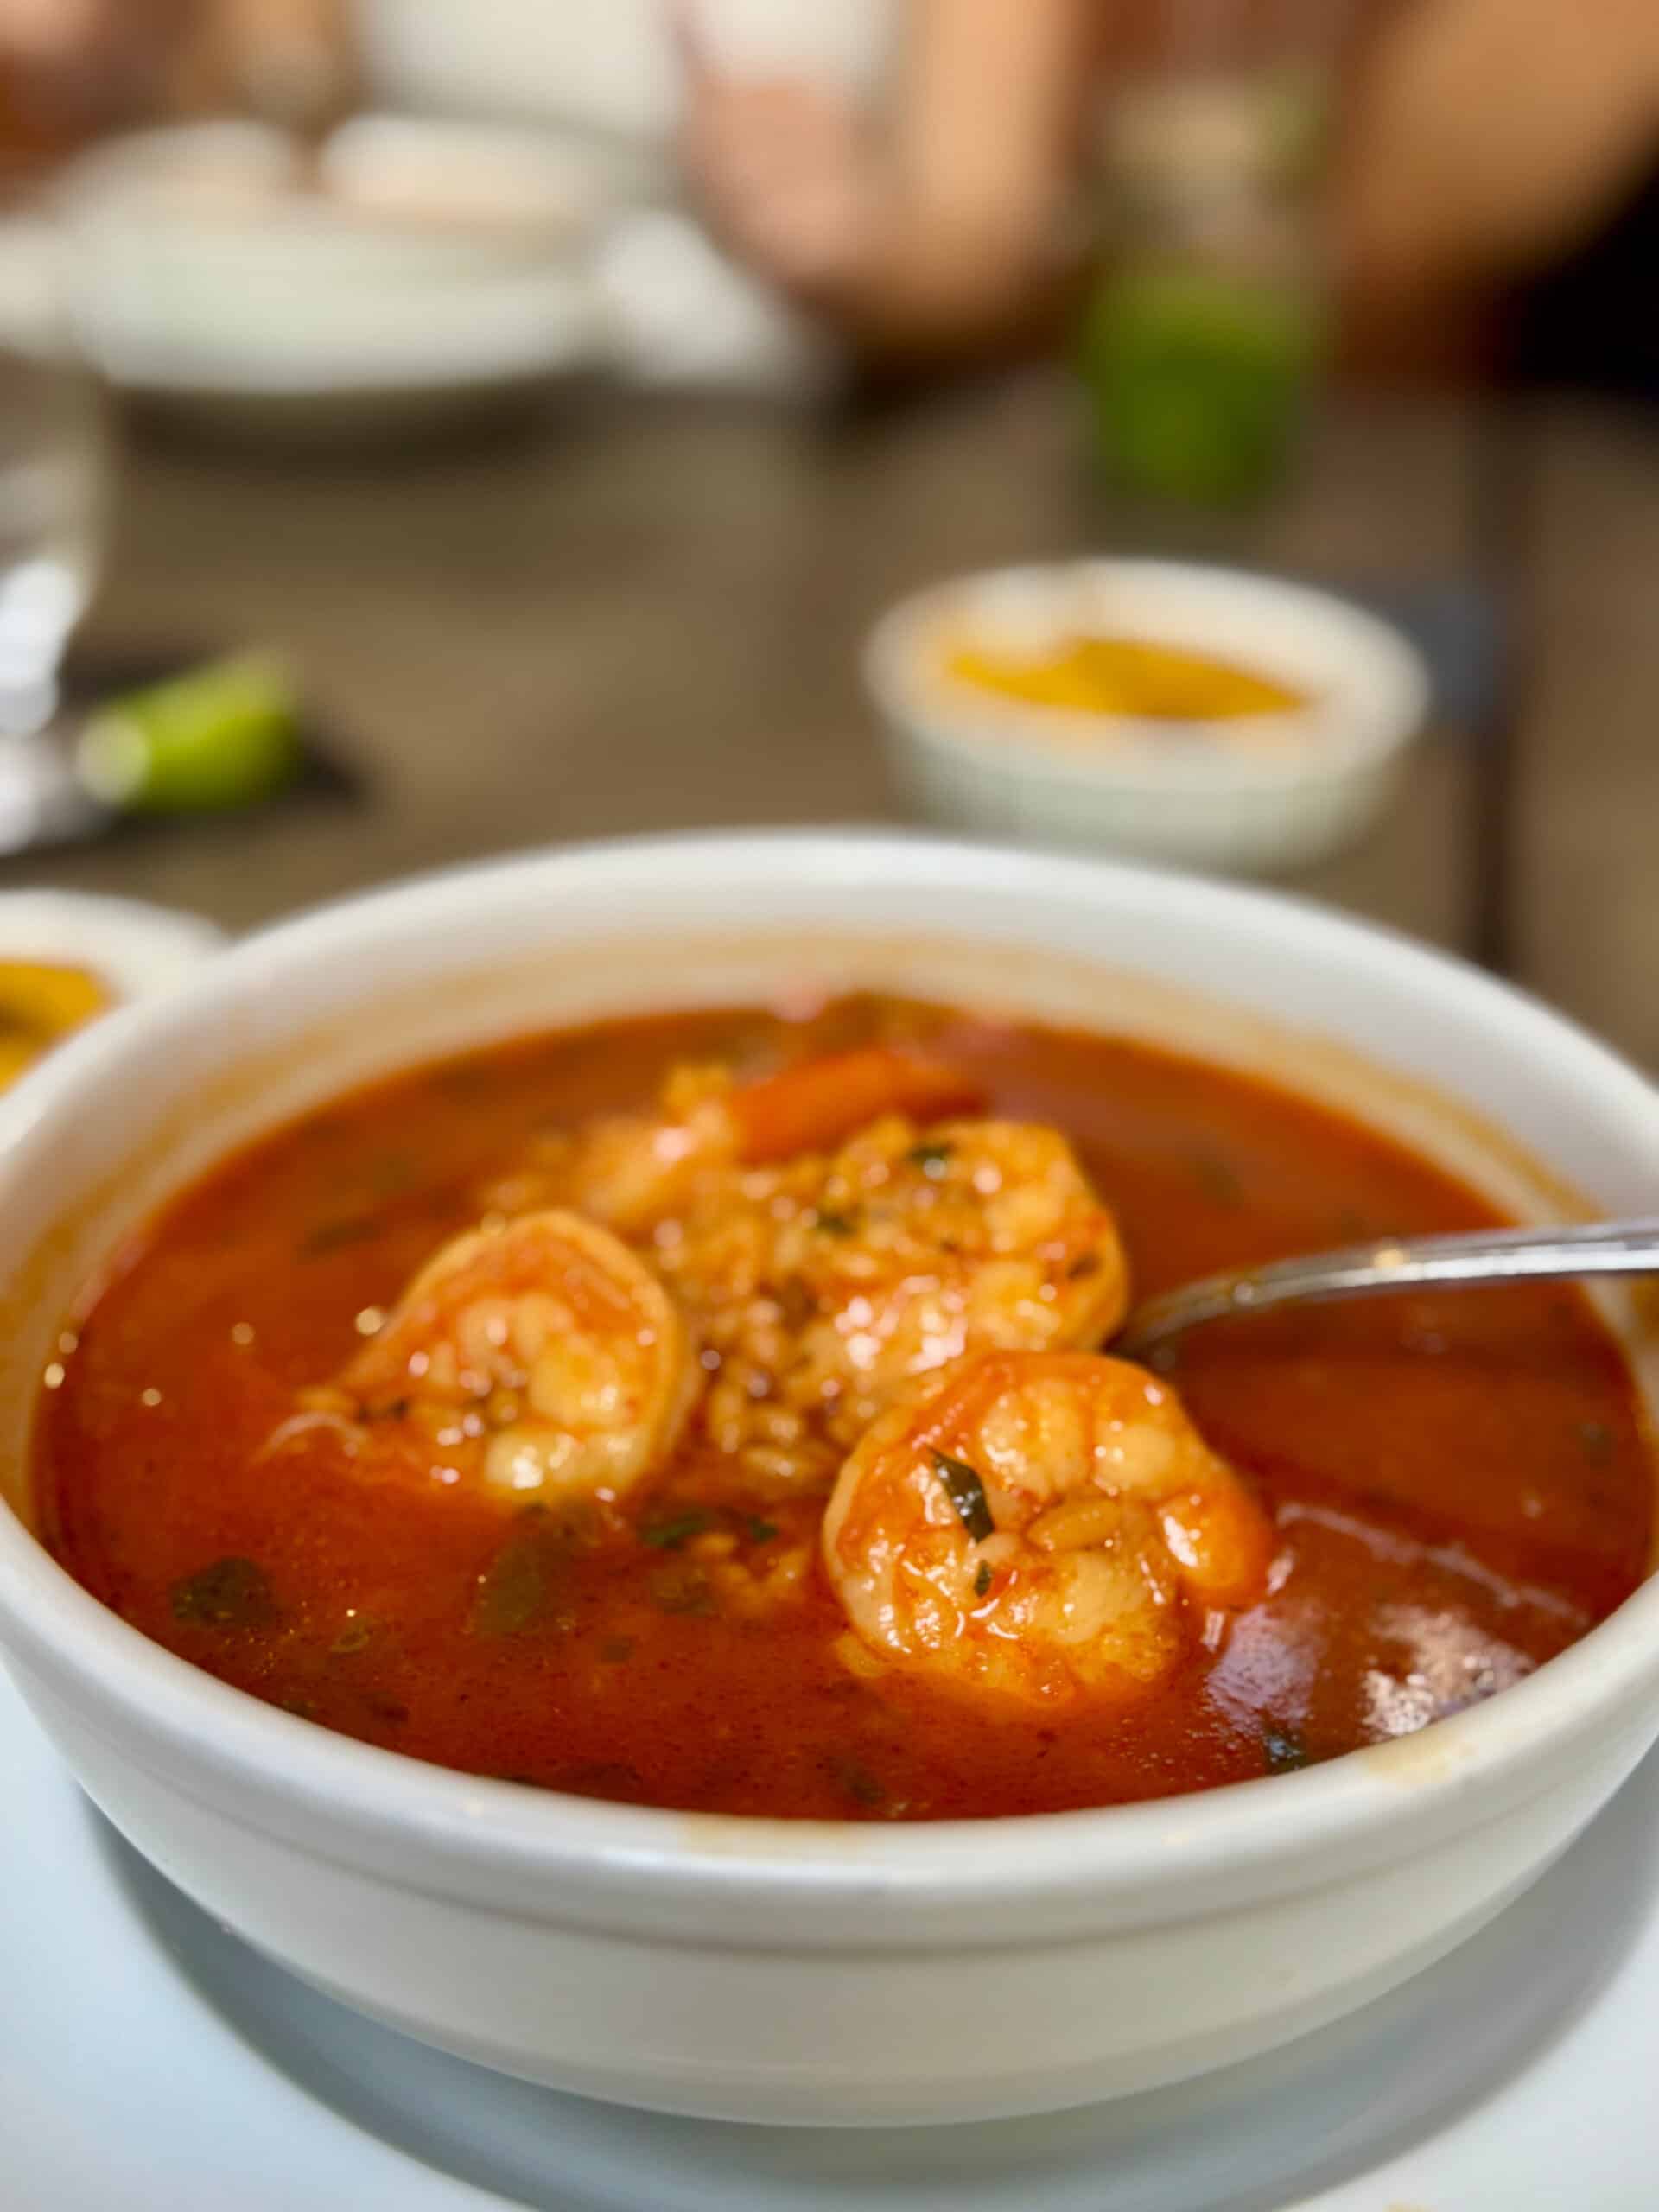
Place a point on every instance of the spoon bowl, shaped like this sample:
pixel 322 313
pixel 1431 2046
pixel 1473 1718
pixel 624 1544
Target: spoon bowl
pixel 1468 1261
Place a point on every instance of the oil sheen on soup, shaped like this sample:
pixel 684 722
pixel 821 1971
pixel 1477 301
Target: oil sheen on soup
pixel 709 1411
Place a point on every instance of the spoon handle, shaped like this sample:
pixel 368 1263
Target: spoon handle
pixel 1395 1263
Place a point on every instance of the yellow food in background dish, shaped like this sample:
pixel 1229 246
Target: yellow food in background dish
pixel 40 1004
pixel 1125 676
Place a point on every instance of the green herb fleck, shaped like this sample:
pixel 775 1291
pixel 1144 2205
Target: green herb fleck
pixel 669 1535
pixel 932 1158
pixel 355 1637
pixel 762 1532
pixel 983 1580
pixel 1216 1179
pixel 834 1224
pixel 391 1173
pixel 615 1650
pixel 859 1783
pixel 520 1587
pixel 231 1593
pixel 463 1078
pixel 967 1494
pixel 1284 1750
pixel 601 1778
pixel 1596 1442
pixel 335 1235
pixel 682 1590
pixel 579 1527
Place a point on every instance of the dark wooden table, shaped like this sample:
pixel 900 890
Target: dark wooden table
pixel 647 615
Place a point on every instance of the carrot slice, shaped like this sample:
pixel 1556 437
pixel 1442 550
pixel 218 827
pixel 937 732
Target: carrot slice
pixel 822 1101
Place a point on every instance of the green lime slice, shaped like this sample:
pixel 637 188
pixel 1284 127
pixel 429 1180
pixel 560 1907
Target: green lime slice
pixel 220 737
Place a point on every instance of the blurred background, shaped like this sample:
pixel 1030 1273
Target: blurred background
pixel 429 427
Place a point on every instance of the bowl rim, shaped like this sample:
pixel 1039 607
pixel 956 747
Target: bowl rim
pixel 173 1716
pixel 136 947
pixel 572 198
pixel 1379 707
pixel 517 306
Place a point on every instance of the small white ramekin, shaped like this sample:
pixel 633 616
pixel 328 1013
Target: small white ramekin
pixel 135 949
pixel 799 1971
pixel 1267 792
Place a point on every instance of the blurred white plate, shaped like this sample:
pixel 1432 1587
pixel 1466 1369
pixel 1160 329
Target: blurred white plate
pixel 1514 2077
pixel 449 263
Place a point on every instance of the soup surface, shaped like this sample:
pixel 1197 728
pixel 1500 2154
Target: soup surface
pixel 42 1003
pixel 253 1451
pixel 1126 676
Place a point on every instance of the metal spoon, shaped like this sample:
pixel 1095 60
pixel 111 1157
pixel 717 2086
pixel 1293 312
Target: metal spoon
pixel 1393 1263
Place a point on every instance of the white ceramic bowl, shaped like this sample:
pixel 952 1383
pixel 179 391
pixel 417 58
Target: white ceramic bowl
pixel 452 261
pixel 803 1971
pixel 1270 792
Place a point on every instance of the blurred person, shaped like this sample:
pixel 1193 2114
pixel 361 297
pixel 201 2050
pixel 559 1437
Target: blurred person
pixel 937 223
pixel 288 60
pixel 607 77
pixel 1501 171
pixel 936 203
pixel 610 68
pixel 602 74
pixel 1485 143
pixel 71 68
pixel 956 216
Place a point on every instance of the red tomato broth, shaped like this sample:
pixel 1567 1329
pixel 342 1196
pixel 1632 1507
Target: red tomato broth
pixel 1461 1484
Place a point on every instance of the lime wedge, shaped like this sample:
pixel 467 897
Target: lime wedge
pixel 219 737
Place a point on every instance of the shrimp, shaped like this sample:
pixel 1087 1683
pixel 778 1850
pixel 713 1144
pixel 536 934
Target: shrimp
pixel 824 1282
pixel 1041 1526
pixel 629 1171
pixel 539 1355
pixel 928 1244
